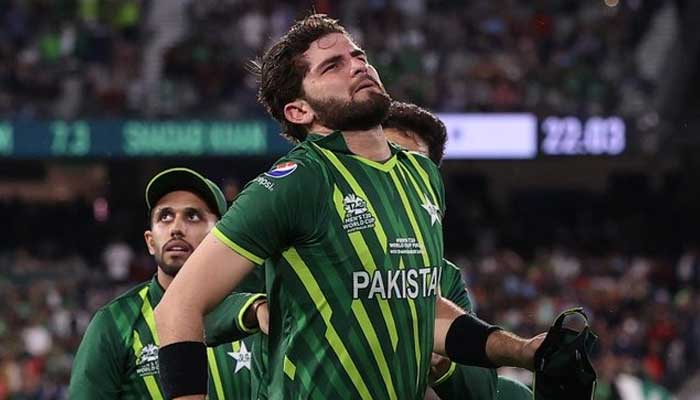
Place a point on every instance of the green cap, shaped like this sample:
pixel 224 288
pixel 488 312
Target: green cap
pixel 174 179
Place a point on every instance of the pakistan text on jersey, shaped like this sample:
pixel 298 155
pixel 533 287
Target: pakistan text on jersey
pixel 396 283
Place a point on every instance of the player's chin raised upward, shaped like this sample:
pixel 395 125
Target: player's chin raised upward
pixel 366 86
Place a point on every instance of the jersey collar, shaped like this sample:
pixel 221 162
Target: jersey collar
pixel 335 142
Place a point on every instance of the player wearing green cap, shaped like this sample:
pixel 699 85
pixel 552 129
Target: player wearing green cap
pixel 118 355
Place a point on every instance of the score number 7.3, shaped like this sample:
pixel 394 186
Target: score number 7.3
pixel 70 139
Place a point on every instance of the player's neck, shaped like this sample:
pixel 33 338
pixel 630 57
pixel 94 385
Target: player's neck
pixel 163 279
pixel 370 144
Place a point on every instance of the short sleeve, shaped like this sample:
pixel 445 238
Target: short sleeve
pixel 224 324
pixel 280 208
pixel 453 287
pixel 96 371
pixel 467 382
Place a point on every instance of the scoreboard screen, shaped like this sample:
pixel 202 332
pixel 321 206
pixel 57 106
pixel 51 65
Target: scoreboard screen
pixel 470 137
pixel 120 138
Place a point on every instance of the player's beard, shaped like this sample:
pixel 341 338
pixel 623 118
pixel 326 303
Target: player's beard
pixel 170 269
pixel 352 115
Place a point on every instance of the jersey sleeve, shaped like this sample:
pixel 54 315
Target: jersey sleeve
pixel 95 373
pixel 466 382
pixel 280 208
pixel 453 288
pixel 224 324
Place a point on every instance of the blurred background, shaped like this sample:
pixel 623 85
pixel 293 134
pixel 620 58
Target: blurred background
pixel 572 175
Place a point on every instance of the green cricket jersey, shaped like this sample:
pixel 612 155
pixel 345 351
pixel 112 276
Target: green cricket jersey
pixel 460 382
pixel 118 356
pixel 354 249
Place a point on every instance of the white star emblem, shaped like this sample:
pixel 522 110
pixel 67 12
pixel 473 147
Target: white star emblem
pixel 242 357
pixel 432 209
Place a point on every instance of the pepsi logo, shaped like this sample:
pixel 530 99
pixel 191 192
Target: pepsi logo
pixel 282 170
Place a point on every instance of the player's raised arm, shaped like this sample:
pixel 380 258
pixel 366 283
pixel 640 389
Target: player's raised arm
pixel 211 272
pixel 467 340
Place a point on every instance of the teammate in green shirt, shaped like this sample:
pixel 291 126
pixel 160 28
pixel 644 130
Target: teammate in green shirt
pixel 416 129
pixel 349 229
pixel 118 355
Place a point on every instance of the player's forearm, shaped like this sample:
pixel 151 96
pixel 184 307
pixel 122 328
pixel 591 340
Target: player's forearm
pixel 507 349
pixel 178 321
pixel 179 315
pixel 182 355
pixel 469 341
pixel 445 313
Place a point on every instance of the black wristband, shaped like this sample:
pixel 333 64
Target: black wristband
pixel 183 369
pixel 465 342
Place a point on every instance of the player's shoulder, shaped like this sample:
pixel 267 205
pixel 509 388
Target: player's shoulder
pixel 427 169
pixel 307 154
pixel 115 319
pixel 126 299
pixel 417 160
pixel 301 163
pixel 424 161
pixel 298 171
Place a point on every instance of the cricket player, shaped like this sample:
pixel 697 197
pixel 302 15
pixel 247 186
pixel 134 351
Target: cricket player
pixel 349 229
pixel 416 129
pixel 118 355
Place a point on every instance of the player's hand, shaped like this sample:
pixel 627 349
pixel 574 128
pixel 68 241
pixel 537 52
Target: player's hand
pixel 257 316
pixel 439 366
pixel 529 348
pixel 262 313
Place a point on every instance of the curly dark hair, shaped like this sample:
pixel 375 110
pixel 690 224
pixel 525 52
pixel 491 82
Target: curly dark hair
pixel 282 69
pixel 410 117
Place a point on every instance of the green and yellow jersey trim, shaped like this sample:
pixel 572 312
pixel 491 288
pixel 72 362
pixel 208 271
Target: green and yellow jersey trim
pixel 447 374
pixel 236 247
pixel 245 307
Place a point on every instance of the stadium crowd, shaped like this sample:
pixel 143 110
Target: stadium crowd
pixel 103 58
pixel 128 58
